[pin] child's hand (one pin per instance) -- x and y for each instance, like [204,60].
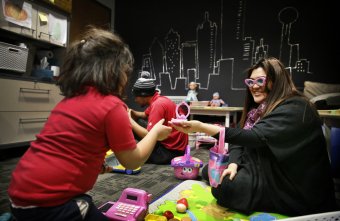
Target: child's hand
[162,130]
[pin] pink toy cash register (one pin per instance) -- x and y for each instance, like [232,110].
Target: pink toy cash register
[132,205]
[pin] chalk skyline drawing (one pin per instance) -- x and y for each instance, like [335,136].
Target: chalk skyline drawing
[173,63]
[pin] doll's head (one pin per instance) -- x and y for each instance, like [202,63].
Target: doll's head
[193,86]
[216,96]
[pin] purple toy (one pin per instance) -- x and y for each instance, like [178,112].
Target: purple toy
[186,167]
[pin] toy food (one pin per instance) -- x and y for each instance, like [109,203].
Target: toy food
[182,205]
[168,214]
[154,217]
[186,167]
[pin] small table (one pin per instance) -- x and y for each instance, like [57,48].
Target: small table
[331,121]
[216,111]
[331,118]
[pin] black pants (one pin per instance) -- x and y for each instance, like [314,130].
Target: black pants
[162,155]
[68,211]
[239,194]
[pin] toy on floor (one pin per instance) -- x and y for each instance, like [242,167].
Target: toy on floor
[204,139]
[133,205]
[168,214]
[202,205]
[182,205]
[114,166]
[186,167]
[218,160]
[155,217]
[182,113]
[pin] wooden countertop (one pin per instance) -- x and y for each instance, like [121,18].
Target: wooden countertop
[216,108]
[330,113]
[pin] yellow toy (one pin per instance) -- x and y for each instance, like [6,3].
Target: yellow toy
[114,166]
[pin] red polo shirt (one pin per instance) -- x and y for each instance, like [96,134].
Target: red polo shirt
[66,158]
[162,107]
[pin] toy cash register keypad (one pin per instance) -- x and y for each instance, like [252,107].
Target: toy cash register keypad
[124,209]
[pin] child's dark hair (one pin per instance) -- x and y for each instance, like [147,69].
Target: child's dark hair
[101,59]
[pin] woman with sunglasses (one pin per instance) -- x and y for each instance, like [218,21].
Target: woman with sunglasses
[278,160]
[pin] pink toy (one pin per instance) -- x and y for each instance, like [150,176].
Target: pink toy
[179,116]
[133,205]
[218,160]
[186,167]
[182,205]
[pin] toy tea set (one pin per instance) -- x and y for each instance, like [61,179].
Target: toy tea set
[185,167]
[133,203]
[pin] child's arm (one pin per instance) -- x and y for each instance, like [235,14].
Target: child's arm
[137,114]
[134,158]
[196,126]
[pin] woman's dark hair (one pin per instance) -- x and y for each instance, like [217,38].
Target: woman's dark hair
[282,86]
[101,60]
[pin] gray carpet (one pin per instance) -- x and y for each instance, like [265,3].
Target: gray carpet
[155,179]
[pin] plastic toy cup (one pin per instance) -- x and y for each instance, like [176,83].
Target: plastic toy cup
[218,160]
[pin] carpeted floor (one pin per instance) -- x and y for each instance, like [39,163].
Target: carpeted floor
[155,179]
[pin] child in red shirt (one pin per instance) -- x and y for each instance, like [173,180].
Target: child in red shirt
[62,164]
[158,107]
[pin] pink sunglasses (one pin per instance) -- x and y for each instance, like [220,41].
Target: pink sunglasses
[260,81]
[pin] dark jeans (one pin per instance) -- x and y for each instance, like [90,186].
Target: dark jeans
[68,211]
[162,155]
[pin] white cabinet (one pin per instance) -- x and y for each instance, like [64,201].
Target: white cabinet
[54,30]
[28,21]
[25,107]
[33,20]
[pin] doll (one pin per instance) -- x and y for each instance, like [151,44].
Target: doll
[192,93]
[216,101]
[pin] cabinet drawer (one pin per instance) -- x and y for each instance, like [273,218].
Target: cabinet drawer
[16,95]
[21,126]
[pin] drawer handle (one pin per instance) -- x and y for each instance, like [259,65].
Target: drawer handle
[34,90]
[30,29]
[32,120]
[13,50]
[43,33]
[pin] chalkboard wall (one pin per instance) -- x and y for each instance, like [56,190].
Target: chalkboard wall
[214,42]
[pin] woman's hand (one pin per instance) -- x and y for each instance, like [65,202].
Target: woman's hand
[231,171]
[186,126]
[196,126]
